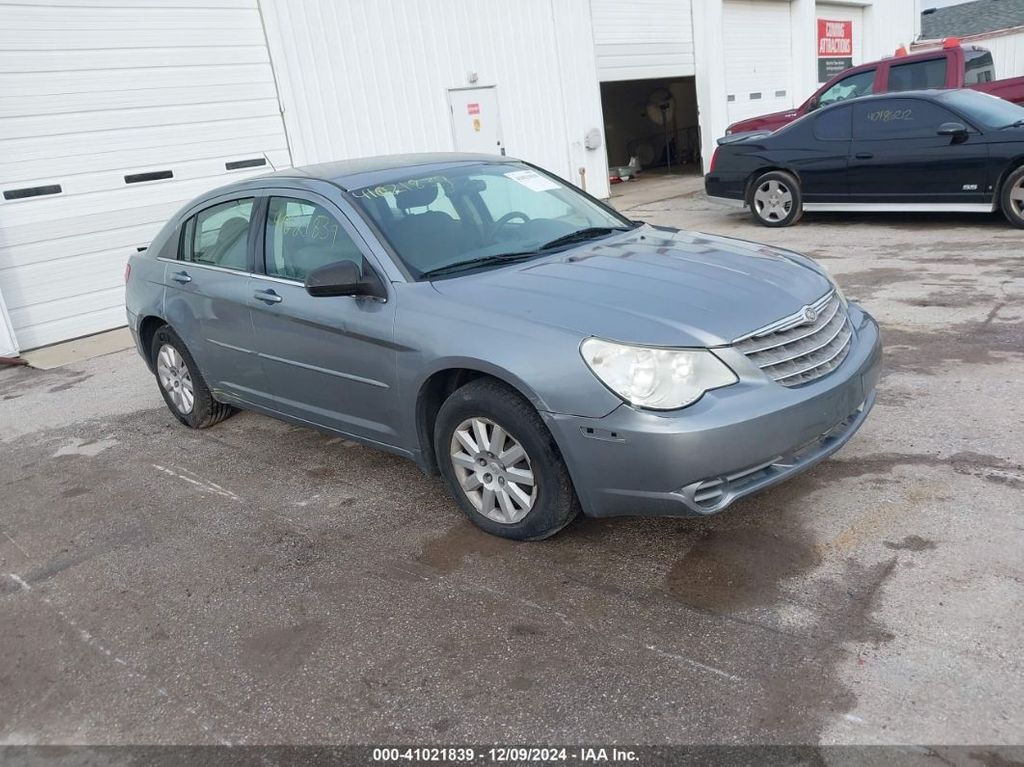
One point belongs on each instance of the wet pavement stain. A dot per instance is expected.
(988, 342)
(911, 543)
(990, 468)
(69, 384)
(446, 553)
(283, 649)
(952, 299)
(733, 569)
(766, 560)
(866, 284)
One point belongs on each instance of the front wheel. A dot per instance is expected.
(501, 464)
(1012, 197)
(775, 199)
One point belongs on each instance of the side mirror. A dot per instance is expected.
(956, 131)
(343, 278)
(812, 103)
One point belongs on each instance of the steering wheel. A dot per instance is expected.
(497, 225)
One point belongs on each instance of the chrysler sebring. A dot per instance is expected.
(542, 353)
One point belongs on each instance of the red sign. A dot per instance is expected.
(473, 109)
(835, 38)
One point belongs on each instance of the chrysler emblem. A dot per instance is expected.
(809, 314)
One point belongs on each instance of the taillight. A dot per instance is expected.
(127, 272)
(714, 160)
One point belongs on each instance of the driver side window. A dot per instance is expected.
(302, 236)
(860, 84)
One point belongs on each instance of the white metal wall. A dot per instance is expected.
(1007, 52)
(93, 90)
(359, 79)
(643, 39)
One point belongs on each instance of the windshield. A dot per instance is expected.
(987, 110)
(479, 213)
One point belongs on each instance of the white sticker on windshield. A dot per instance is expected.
(532, 180)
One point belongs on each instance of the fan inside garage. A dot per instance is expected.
(661, 110)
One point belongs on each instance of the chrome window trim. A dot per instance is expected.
(198, 265)
(273, 278)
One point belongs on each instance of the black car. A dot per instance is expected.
(956, 150)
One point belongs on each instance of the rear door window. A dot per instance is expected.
(219, 236)
(898, 119)
(917, 76)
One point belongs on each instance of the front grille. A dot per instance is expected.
(796, 350)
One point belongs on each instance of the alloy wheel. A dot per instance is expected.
(1017, 198)
(175, 379)
(493, 470)
(773, 200)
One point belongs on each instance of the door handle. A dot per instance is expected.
(182, 278)
(864, 155)
(268, 296)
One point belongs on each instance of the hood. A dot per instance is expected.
(771, 121)
(655, 286)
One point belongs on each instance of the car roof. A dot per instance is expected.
(362, 171)
(359, 172)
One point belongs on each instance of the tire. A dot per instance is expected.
(1011, 197)
(489, 404)
(775, 199)
(177, 366)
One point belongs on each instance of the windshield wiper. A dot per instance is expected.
(1014, 124)
(500, 258)
(582, 234)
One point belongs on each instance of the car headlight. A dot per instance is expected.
(660, 379)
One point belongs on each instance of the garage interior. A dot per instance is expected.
(643, 117)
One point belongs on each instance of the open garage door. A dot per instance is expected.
(112, 115)
(758, 57)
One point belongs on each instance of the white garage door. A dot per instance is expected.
(758, 57)
(112, 114)
(642, 39)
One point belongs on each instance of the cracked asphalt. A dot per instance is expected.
(263, 583)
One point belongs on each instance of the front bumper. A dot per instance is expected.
(731, 443)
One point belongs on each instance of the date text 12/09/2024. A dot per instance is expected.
(502, 754)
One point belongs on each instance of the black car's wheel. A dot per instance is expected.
(775, 199)
(1011, 197)
(501, 464)
(182, 385)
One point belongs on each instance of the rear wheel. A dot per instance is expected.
(775, 199)
(501, 464)
(1012, 197)
(182, 385)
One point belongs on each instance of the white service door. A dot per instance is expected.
(758, 57)
(94, 92)
(475, 123)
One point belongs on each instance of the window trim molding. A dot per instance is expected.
(192, 218)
